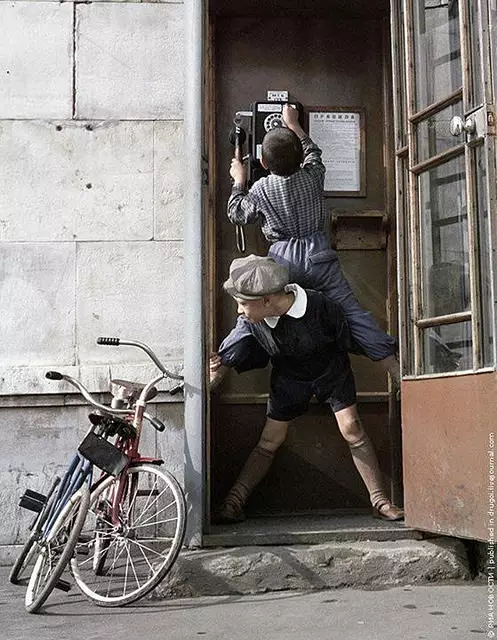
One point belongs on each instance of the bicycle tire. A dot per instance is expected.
(152, 525)
(29, 548)
(56, 549)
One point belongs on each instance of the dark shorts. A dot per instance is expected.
(289, 398)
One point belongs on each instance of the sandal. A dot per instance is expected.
(385, 510)
(228, 513)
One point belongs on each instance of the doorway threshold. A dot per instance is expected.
(308, 529)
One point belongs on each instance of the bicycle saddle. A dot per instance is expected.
(130, 391)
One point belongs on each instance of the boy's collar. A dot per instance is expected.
(298, 308)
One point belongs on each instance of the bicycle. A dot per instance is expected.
(121, 534)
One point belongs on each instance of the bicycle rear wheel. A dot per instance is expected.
(119, 562)
(55, 549)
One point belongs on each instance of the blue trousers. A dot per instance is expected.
(313, 265)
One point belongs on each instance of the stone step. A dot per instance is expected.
(303, 567)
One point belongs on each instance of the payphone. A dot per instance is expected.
(262, 118)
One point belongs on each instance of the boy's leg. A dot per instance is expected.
(366, 462)
(256, 467)
(392, 366)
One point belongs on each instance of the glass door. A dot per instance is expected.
(446, 191)
(444, 160)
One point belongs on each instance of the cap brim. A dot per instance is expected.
(229, 287)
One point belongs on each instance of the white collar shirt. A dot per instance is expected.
(298, 308)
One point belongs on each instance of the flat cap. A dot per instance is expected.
(254, 277)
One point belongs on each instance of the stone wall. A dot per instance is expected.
(91, 239)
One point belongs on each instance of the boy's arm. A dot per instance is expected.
(243, 207)
(217, 371)
(312, 153)
(240, 350)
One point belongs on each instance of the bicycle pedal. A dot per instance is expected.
(32, 501)
(63, 585)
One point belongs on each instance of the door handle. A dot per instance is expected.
(458, 125)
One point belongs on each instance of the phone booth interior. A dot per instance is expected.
(329, 55)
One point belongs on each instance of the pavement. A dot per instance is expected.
(408, 612)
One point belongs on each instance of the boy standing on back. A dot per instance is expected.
(288, 206)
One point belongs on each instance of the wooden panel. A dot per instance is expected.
(446, 424)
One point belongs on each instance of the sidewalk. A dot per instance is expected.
(302, 554)
(449, 612)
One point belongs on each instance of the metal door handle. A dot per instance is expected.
(458, 125)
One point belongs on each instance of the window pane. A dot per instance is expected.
(448, 348)
(444, 237)
(433, 135)
(437, 47)
(487, 325)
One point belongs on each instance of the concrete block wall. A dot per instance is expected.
(91, 210)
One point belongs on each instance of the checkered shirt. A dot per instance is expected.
(284, 206)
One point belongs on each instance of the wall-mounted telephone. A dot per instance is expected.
(262, 117)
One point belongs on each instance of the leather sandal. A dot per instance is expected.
(385, 510)
(229, 513)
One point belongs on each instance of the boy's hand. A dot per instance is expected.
(217, 371)
(238, 172)
(291, 119)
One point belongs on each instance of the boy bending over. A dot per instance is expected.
(306, 338)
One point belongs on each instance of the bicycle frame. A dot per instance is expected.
(79, 472)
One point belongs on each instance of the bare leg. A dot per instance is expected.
(255, 468)
(366, 462)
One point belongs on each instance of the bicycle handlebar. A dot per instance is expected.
(157, 424)
(116, 342)
(55, 375)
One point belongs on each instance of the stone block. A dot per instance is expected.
(168, 180)
(129, 61)
(36, 59)
(170, 443)
(131, 290)
(75, 180)
(37, 446)
(37, 299)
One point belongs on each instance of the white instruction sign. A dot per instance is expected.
(338, 134)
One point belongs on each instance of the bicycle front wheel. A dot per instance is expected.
(55, 549)
(122, 557)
